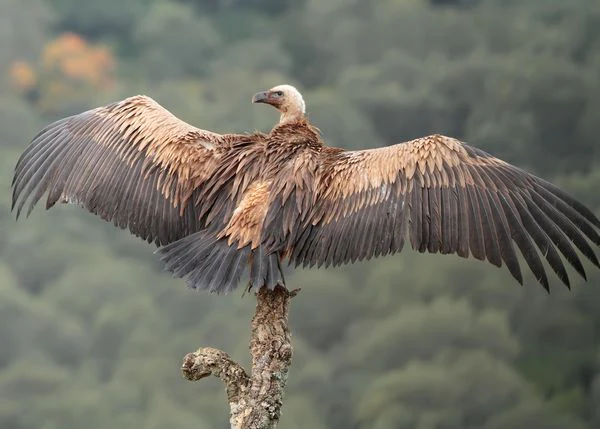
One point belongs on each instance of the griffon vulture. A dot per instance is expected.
(215, 204)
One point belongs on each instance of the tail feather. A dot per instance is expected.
(205, 262)
(258, 271)
(212, 264)
(216, 261)
(238, 265)
(221, 271)
(187, 253)
(274, 275)
(265, 270)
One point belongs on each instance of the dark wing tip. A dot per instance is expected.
(518, 276)
(570, 200)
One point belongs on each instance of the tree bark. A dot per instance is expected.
(255, 401)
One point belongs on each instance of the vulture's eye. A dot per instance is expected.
(278, 93)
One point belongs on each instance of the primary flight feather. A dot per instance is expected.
(216, 204)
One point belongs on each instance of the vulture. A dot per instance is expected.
(218, 204)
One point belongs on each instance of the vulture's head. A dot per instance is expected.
(284, 98)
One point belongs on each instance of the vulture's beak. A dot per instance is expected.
(261, 97)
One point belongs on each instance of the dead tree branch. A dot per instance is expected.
(255, 401)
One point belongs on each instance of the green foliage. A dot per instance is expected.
(425, 394)
(92, 329)
(108, 18)
(173, 43)
(23, 30)
(266, 7)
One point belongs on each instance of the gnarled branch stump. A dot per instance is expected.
(255, 401)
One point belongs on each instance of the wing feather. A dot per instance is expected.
(542, 240)
(477, 234)
(131, 162)
(507, 250)
(490, 234)
(521, 237)
(446, 197)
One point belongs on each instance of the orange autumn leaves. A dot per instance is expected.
(71, 56)
(23, 77)
(68, 70)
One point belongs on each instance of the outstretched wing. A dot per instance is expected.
(447, 197)
(131, 162)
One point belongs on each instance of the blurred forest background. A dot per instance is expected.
(92, 331)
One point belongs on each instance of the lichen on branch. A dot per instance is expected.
(210, 361)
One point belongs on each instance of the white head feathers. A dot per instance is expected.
(286, 99)
(293, 96)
